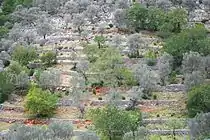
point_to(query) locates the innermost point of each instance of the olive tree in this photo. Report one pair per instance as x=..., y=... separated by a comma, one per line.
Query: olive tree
x=49, y=79
x=52, y=6
x=78, y=22
x=29, y=36
x=146, y=79
x=190, y=4
x=164, y=4
x=67, y=19
x=165, y=64
x=193, y=79
x=22, y=80
x=55, y=131
x=192, y=61
x=135, y=43
x=92, y=13
x=87, y=136
x=79, y=93
x=122, y=4
x=120, y=18
x=43, y=27
x=199, y=127
x=71, y=7
x=82, y=68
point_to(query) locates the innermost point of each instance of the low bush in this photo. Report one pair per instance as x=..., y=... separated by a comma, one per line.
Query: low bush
x=40, y=102
x=24, y=55
x=198, y=100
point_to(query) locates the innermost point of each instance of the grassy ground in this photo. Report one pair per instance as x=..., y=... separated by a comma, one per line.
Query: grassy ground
x=4, y=126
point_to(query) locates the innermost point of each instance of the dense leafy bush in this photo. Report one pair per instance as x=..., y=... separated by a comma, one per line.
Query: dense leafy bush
x=193, y=39
x=198, y=100
x=112, y=121
x=137, y=16
x=24, y=55
x=156, y=19
x=48, y=58
x=40, y=102
x=6, y=86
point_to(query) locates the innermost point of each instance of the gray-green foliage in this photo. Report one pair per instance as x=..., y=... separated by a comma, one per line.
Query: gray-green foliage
x=61, y=129
x=82, y=68
x=190, y=4
x=92, y=13
x=165, y=66
x=55, y=131
x=207, y=66
x=164, y=4
x=140, y=134
x=193, y=79
x=200, y=127
x=87, y=136
x=122, y=4
x=78, y=21
x=135, y=43
x=120, y=19
x=136, y=93
x=113, y=97
x=29, y=36
x=43, y=27
x=71, y=7
x=49, y=78
x=22, y=80
x=52, y=6
x=146, y=78
x=193, y=66
x=192, y=61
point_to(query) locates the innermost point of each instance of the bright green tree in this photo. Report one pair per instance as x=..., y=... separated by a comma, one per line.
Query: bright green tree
x=112, y=122
x=41, y=103
x=193, y=39
x=137, y=16
x=198, y=100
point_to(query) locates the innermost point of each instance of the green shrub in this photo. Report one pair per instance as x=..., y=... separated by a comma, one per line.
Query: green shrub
x=6, y=86
x=24, y=55
x=198, y=100
x=49, y=58
x=40, y=102
x=100, y=40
